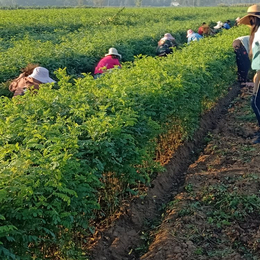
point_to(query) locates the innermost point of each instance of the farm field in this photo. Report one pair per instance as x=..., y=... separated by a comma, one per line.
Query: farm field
x=73, y=156
x=215, y=214
x=78, y=38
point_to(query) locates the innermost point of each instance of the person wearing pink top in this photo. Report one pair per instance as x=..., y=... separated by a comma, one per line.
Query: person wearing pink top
x=110, y=61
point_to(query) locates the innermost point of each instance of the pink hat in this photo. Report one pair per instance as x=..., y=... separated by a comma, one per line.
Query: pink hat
x=189, y=33
x=168, y=36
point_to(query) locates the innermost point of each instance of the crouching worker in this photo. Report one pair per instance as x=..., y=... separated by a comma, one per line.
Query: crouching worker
x=30, y=79
x=165, y=45
x=110, y=61
x=241, y=49
x=192, y=36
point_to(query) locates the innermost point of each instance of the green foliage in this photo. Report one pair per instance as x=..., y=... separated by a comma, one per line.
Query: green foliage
x=229, y=206
x=57, y=147
x=78, y=38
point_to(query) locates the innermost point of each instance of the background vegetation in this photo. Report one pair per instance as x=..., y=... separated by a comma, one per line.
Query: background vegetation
x=121, y=2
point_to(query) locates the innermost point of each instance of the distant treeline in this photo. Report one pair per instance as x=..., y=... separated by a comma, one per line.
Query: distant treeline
x=41, y=3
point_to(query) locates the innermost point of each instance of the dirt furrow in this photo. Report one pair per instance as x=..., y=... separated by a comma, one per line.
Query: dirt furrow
x=120, y=240
x=216, y=213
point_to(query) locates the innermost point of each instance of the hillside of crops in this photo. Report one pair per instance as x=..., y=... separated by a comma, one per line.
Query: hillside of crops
x=72, y=153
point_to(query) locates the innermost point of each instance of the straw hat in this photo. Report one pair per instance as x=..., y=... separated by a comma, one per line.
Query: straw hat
x=113, y=51
x=219, y=25
x=41, y=74
x=253, y=10
x=189, y=33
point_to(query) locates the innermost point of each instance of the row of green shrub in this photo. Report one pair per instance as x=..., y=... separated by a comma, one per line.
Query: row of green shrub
x=59, y=147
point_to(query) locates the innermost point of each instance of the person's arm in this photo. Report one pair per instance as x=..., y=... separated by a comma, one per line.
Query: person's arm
x=256, y=82
x=14, y=84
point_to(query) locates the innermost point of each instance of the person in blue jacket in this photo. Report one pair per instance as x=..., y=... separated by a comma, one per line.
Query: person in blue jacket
x=227, y=25
x=192, y=36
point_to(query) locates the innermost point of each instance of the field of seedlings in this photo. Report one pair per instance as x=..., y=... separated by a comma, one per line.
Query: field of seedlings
x=75, y=154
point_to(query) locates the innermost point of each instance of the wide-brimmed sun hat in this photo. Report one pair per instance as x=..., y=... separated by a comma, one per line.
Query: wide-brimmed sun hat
x=189, y=33
x=253, y=10
x=168, y=36
x=41, y=74
x=219, y=25
x=113, y=51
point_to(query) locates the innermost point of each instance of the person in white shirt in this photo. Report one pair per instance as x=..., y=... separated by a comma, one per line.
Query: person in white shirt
x=241, y=49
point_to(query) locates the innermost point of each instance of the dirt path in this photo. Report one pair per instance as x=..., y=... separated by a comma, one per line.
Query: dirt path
x=127, y=236
x=216, y=214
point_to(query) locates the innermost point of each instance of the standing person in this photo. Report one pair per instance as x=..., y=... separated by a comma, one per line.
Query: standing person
x=30, y=78
x=253, y=20
x=192, y=36
x=110, y=61
x=165, y=45
x=241, y=49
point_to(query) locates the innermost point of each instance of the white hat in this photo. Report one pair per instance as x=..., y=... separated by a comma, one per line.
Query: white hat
x=168, y=36
x=189, y=33
x=113, y=51
x=219, y=25
x=41, y=74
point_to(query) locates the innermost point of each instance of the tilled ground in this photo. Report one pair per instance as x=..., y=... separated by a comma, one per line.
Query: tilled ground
x=212, y=203
x=216, y=213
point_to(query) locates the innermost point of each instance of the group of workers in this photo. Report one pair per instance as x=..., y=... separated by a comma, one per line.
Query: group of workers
x=166, y=44
x=246, y=48
x=33, y=75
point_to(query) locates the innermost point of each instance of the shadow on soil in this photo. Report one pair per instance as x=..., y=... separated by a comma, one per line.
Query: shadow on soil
x=119, y=241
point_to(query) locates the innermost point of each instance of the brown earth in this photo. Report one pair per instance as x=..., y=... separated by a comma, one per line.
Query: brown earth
x=216, y=213
x=212, y=215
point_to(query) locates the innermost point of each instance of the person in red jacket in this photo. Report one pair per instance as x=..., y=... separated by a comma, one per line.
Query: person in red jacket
x=200, y=30
x=110, y=61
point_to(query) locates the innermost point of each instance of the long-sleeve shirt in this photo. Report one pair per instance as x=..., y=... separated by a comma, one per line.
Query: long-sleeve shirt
x=22, y=83
x=194, y=37
x=106, y=63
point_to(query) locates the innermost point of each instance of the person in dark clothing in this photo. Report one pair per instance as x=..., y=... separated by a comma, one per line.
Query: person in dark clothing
x=165, y=45
x=241, y=49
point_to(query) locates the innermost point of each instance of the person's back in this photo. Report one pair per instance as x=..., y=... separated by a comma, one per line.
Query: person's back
x=110, y=61
x=106, y=63
x=192, y=36
x=241, y=49
x=200, y=30
x=227, y=25
x=24, y=82
x=165, y=45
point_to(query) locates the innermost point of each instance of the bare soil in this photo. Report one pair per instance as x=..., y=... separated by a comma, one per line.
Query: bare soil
x=205, y=206
x=216, y=213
